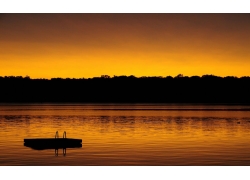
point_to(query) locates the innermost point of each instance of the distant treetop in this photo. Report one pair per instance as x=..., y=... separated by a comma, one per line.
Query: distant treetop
x=179, y=76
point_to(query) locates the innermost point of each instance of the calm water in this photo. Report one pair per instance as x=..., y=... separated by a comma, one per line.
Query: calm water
x=116, y=134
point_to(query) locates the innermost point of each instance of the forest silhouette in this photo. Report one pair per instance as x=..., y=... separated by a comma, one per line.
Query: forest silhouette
x=126, y=89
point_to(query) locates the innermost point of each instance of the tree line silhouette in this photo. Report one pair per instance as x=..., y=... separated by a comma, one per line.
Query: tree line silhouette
x=126, y=89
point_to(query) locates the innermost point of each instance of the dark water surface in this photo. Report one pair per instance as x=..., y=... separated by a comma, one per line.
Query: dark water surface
x=135, y=134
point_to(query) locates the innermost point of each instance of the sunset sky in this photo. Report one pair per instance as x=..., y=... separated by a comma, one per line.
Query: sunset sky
x=89, y=45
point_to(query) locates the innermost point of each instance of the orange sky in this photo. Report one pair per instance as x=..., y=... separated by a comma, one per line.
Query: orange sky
x=88, y=45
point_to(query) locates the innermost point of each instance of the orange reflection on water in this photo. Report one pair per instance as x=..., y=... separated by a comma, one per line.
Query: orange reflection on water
x=127, y=136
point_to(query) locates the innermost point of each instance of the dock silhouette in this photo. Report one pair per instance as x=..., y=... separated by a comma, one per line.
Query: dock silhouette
x=53, y=143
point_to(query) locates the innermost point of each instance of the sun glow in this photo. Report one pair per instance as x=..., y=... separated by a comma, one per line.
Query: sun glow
x=89, y=45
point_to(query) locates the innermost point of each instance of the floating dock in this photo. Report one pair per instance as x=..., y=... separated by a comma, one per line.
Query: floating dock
x=53, y=143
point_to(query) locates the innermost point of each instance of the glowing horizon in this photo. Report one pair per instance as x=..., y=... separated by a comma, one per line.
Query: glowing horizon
x=91, y=45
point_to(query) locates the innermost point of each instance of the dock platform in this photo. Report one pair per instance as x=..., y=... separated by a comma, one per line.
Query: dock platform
x=53, y=143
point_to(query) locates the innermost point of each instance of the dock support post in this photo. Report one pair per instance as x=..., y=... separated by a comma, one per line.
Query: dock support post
x=64, y=151
x=56, y=152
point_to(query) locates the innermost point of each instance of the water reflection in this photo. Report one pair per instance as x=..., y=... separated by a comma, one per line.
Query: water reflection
x=64, y=152
x=53, y=147
x=113, y=136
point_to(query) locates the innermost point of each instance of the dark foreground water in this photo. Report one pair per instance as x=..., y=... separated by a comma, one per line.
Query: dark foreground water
x=136, y=134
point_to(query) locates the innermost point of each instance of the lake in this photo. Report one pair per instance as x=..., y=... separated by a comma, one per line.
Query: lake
x=130, y=134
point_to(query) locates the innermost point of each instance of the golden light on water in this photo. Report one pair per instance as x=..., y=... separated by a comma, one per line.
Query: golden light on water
x=134, y=136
